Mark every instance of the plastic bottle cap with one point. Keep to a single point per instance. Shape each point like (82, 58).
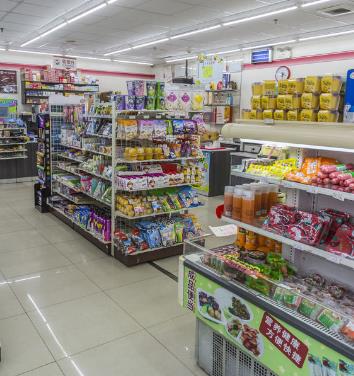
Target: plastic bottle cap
(229, 189)
(248, 195)
(238, 191)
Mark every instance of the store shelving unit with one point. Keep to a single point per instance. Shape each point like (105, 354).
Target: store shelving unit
(74, 166)
(13, 142)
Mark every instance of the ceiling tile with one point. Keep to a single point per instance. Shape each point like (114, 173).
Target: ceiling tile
(168, 7)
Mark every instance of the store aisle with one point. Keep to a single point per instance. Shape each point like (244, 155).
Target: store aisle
(67, 309)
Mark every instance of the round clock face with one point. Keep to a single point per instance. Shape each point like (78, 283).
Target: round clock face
(282, 73)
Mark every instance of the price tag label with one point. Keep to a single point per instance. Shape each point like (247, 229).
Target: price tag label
(158, 116)
(132, 117)
(269, 121)
(146, 117)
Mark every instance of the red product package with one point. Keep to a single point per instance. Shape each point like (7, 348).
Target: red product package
(343, 240)
(279, 218)
(338, 219)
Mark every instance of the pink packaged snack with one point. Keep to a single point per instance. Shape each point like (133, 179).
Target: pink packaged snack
(279, 218)
(343, 241)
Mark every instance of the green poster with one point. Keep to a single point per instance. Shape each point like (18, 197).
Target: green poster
(279, 346)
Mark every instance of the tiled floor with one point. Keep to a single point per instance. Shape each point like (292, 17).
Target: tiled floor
(67, 309)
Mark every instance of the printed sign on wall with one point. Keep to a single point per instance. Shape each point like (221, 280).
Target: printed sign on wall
(60, 62)
(8, 82)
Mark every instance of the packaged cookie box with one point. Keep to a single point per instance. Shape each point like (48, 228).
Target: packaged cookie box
(325, 116)
(293, 115)
(279, 115)
(312, 84)
(292, 102)
(283, 87)
(329, 101)
(331, 84)
(310, 101)
(268, 114)
(257, 88)
(256, 102)
(295, 86)
(308, 115)
(268, 102)
(269, 87)
(256, 114)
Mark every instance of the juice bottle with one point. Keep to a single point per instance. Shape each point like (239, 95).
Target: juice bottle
(251, 241)
(278, 247)
(237, 203)
(228, 201)
(273, 195)
(248, 204)
(265, 199)
(241, 238)
(257, 199)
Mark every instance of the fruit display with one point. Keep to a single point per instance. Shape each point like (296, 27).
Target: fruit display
(209, 305)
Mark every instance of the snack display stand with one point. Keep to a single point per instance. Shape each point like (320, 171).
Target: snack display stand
(252, 324)
(86, 171)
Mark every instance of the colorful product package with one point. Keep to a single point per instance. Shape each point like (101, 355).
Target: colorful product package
(120, 100)
(160, 89)
(130, 102)
(150, 103)
(331, 84)
(184, 102)
(329, 101)
(312, 84)
(160, 103)
(256, 102)
(151, 88)
(283, 87)
(139, 102)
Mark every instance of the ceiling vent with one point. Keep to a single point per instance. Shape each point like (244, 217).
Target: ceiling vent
(337, 10)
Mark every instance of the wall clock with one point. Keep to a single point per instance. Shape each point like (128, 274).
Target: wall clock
(282, 73)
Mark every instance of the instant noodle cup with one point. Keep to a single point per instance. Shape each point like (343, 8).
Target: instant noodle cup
(308, 115)
(268, 114)
(295, 86)
(268, 103)
(331, 84)
(269, 87)
(281, 102)
(292, 102)
(312, 84)
(283, 87)
(257, 88)
(279, 115)
(256, 114)
(329, 101)
(309, 100)
(256, 102)
(328, 116)
(293, 115)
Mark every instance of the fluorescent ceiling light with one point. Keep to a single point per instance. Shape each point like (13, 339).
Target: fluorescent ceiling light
(234, 61)
(31, 41)
(118, 51)
(84, 14)
(32, 52)
(181, 59)
(111, 1)
(260, 16)
(133, 62)
(223, 52)
(2, 49)
(88, 57)
(195, 32)
(269, 45)
(311, 3)
(150, 43)
(327, 35)
(53, 29)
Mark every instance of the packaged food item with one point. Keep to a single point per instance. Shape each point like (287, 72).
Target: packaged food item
(251, 241)
(308, 115)
(309, 308)
(281, 102)
(248, 206)
(331, 84)
(257, 88)
(237, 203)
(312, 84)
(330, 319)
(292, 102)
(293, 115)
(310, 101)
(279, 115)
(283, 87)
(228, 198)
(348, 331)
(328, 116)
(268, 114)
(256, 114)
(269, 87)
(295, 86)
(241, 238)
(246, 114)
(268, 103)
(256, 102)
(150, 103)
(151, 88)
(329, 101)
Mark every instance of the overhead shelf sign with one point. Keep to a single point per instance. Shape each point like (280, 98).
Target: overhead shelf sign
(262, 56)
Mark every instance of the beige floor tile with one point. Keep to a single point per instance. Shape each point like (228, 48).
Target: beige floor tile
(23, 240)
(9, 304)
(78, 325)
(13, 224)
(107, 272)
(57, 234)
(52, 287)
(22, 347)
(48, 370)
(137, 354)
(150, 302)
(170, 264)
(32, 260)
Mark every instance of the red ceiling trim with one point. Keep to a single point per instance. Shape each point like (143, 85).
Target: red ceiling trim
(85, 71)
(345, 55)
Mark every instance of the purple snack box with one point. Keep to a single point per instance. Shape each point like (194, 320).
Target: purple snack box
(120, 99)
(131, 87)
(139, 87)
(130, 102)
(139, 102)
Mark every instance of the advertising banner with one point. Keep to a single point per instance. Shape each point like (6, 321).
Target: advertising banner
(8, 82)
